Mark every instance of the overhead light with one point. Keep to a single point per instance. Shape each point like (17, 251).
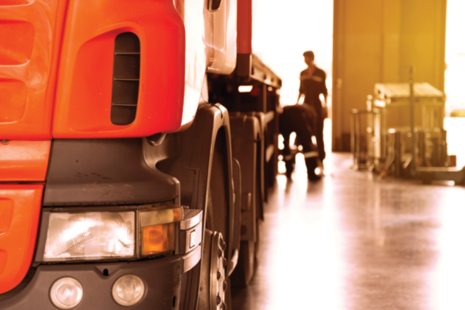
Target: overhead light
(245, 88)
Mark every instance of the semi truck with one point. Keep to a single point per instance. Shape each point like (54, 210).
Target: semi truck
(137, 140)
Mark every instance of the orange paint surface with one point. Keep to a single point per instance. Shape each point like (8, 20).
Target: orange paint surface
(19, 221)
(24, 160)
(84, 89)
(244, 26)
(30, 34)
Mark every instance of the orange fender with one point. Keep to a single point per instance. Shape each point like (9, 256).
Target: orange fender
(19, 221)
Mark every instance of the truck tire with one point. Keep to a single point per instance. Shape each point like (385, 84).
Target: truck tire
(215, 288)
(214, 291)
(246, 264)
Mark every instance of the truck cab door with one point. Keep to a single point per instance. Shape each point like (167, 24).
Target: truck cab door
(220, 35)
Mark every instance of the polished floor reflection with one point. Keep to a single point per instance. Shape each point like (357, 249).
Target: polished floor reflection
(354, 241)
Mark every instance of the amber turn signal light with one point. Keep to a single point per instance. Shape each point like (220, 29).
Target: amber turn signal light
(158, 239)
(158, 230)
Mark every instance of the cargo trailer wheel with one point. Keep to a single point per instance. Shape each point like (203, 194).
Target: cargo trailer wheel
(214, 292)
(214, 284)
(246, 264)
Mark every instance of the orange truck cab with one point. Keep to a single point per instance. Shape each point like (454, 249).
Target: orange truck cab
(118, 186)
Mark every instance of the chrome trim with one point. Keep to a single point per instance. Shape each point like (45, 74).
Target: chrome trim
(192, 259)
(191, 221)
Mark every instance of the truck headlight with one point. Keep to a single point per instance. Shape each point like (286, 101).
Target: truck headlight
(90, 236)
(128, 290)
(66, 293)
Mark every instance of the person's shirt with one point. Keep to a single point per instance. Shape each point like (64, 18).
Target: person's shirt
(313, 85)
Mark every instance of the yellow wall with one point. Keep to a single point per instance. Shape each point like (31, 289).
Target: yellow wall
(375, 41)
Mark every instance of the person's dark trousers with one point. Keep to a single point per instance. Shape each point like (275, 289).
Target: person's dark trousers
(289, 159)
(308, 151)
(318, 122)
(310, 157)
(319, 137)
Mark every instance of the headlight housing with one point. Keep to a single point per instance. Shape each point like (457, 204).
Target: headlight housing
(90, 236)
(136, 232)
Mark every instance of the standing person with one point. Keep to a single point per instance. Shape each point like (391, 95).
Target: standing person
(312, 84)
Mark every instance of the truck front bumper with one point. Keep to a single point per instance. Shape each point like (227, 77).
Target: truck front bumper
(162, 278)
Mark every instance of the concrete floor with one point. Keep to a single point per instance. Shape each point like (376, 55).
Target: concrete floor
(354, 241)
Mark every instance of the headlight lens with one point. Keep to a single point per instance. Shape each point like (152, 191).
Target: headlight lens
(90, 235)
(66, 293)
(128, 290)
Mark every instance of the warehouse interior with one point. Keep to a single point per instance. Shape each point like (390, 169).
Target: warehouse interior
(169, 154)
(362, 237)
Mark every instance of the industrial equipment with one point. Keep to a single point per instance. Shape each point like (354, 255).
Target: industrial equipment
(405, 133)
(395, 127)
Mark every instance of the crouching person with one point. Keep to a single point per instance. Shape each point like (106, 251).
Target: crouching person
(302, 120)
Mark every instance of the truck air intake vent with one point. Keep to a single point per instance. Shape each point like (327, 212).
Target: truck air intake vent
(126, 74)
(214, 5)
